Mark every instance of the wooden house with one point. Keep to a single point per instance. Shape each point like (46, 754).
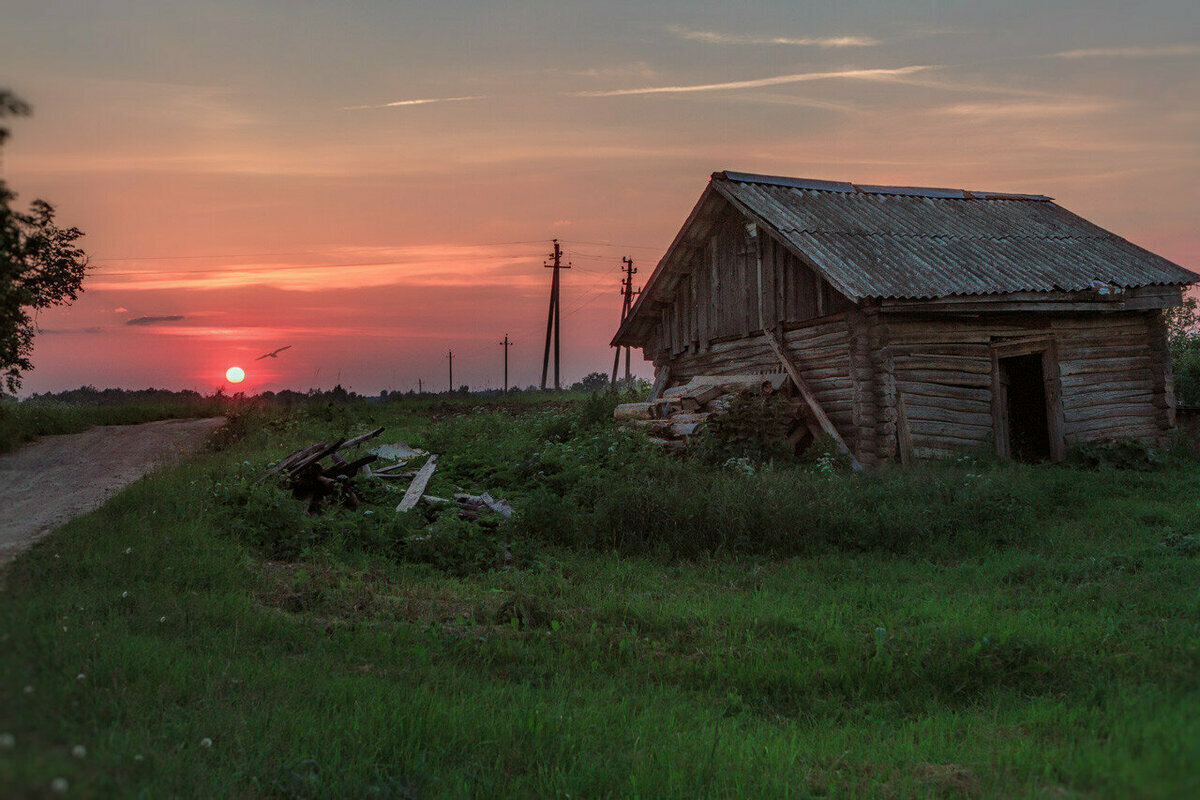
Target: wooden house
(923, 321)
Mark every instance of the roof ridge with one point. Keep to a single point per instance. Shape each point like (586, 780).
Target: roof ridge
(846, 187)
(951, 236)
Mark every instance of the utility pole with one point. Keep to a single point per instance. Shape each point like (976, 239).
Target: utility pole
(554, 319)
(627, 293)
(450, 356)
(420, 388)
(506, 344)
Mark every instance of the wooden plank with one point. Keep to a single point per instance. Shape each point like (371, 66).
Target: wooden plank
(810, 398)
(357, 440)
(660, 382)
(417, 487)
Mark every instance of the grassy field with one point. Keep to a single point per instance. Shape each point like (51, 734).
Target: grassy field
(22, 422)
(642, 627)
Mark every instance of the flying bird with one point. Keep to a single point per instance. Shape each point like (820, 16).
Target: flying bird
(273, 353)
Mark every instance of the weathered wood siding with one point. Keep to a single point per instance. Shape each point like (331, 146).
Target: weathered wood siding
(821, 349)
(717, 296)
(1115, 378)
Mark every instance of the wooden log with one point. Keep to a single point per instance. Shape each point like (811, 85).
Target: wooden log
(955, 364)
(805, 392)
(1084, 383)
(328, 449)
(357, 440)
(944, 390)
(1104, 365)
(633, 411)
(417, 487)
(944, 377)
(652, 426)
(684, 429)
(685, 417)
(348, 470)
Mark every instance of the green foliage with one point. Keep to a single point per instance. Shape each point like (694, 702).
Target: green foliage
(1183, 338)
(40, 267)
(592, 382)
(1119, 454)
(754, 427)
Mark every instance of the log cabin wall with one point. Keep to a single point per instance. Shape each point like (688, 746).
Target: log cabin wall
(1112, 369)
(820, 348)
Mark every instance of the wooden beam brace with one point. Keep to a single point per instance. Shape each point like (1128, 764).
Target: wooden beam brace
(810, 399)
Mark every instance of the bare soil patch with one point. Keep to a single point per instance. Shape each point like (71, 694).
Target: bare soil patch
(46, 483)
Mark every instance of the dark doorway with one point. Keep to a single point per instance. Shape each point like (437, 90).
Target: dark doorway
(1025, 392)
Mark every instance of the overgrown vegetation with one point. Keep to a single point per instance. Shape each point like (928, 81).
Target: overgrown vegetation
(1183, 336)
(643, 626)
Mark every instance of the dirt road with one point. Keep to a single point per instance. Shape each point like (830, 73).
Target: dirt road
(46, 483)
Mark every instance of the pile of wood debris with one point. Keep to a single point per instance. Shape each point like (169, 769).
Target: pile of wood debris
(314, 482)
(672, 419)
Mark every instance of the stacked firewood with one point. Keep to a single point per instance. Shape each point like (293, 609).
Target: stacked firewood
(674, 418)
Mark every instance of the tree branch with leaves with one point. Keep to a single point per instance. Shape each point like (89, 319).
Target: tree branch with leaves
(40, 267)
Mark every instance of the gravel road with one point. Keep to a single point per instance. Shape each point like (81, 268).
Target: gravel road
(51, 480)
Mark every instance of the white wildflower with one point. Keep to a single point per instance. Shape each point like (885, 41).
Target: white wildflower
(79, 751)
(80, 677)
(28, 690)
(59, 785)
(7, 741)
(206, 742)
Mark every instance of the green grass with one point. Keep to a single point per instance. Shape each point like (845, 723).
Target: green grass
(961, 630)
(22, 422)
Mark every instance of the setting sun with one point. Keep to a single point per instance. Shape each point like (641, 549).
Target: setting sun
(235, 374)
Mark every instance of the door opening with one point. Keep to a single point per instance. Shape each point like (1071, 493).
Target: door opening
(1024, 383)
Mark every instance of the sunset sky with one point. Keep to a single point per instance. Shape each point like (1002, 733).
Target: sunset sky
(376, 183)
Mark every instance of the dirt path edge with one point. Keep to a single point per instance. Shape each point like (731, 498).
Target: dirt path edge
(50, 481)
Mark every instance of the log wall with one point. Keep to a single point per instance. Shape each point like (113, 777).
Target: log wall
(1113, 369)
(820, 348)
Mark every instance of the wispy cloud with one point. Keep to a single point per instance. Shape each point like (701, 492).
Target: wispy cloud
(758, 83)
(154, 320)
(1162, 51)
(713, 37)
(1024, 110)
(420, 102)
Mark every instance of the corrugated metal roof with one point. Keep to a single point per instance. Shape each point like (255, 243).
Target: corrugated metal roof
(909, 242)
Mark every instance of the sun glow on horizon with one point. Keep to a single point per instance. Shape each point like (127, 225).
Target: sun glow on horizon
(235, 374)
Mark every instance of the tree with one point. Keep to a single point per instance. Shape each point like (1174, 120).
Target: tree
(40, 267)
(592, 382)
(1183, 337)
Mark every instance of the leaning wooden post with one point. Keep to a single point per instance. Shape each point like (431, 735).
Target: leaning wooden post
(810, 399)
